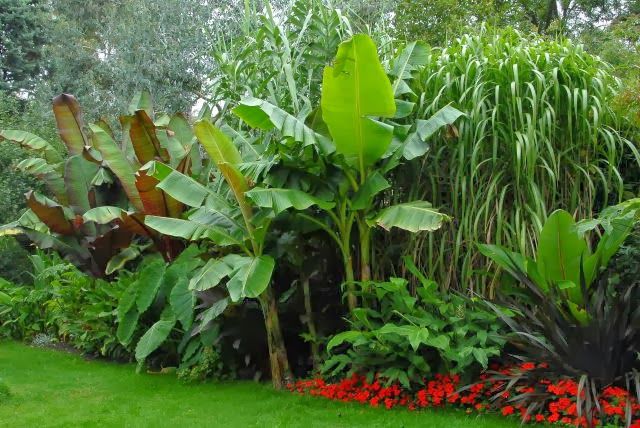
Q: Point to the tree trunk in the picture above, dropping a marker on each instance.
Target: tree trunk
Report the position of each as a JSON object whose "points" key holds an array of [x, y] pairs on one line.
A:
{"points": [[311, 325], [280, 371]]}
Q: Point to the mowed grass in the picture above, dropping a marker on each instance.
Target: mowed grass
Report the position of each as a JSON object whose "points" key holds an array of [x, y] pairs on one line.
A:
{"points": [[56, 389]]}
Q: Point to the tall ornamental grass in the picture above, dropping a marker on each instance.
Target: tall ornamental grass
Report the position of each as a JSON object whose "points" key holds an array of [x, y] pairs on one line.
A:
{"points": [[539, 134]]}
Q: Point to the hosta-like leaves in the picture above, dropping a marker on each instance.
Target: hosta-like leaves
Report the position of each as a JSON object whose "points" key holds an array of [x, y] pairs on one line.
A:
{"points": [[263, 115], [70, 124], [154, 337], [34, 144], [412, 216], [251, 278], [148, 284], [115, 159], [355, 90], [282, 199], [182, 301]]}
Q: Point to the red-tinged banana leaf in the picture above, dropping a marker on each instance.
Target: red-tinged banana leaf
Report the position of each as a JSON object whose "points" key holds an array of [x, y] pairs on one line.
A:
{"points": [[78, 176], [55, 216], [156, 202], [34, 144], [132, 222], [70, 124], [144, 139], [48, 174], [105, 247], [115, 159]]}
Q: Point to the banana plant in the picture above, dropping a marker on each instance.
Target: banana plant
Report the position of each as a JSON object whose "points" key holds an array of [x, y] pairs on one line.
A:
{"points": [[98, 196], [237, 229], [355, 136], [564, 260]]}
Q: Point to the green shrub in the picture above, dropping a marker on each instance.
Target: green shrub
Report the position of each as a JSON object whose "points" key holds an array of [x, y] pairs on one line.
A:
{"points": [[406, 338]]}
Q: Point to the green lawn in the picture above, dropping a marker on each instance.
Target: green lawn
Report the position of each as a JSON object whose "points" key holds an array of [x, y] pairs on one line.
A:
{"points": [[52, 388]]}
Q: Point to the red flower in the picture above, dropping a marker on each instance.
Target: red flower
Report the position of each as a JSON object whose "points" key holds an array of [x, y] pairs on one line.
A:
{"points": [[507, 410]]}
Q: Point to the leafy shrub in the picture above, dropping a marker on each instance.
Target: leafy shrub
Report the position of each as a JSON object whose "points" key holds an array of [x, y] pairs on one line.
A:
{"points": [[207, 364], [407, 338]]}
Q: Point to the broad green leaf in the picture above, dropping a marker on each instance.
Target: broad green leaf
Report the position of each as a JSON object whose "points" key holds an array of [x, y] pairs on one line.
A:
{"points": [[414, 55], [252, 278], [416, 335], [182, 301], [263, 115], [374, 184], [127, 326], [149, 284], [68, 117], [412, 216], [180, 126], [34, 144], [340, 338], [210, 275], [609, 244], [440, 342], [115, 159], [177, 185], [355, 90], [282, 199], [141, 101], [213, 312], [415, 144], [481, 356], [154, 337], [560, 251], [191, 230]]}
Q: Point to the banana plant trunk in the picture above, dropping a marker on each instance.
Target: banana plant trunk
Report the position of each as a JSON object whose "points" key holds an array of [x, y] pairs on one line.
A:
{"points": [[280, 371], [315, 353]]}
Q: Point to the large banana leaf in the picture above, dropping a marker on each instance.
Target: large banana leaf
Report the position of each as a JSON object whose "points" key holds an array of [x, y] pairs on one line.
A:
{"points": [[414, 55], [144, 139], [282, 199], [177, 185], [412, 216], [70, 124], [356, 90], [35, 144], [226, 157], [415, 144], [192, 230], [264, 115], [154, 199], [131, 222], [55, 216], [78, 176], [210, 275], [115, 159]]}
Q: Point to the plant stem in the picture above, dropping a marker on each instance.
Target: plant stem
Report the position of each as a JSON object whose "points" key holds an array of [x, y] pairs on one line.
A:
{"points": [[280, 371], [311, 325]]}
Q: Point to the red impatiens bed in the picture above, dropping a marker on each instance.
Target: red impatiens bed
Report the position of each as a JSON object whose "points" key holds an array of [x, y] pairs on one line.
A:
{"points": [[443, 390]]}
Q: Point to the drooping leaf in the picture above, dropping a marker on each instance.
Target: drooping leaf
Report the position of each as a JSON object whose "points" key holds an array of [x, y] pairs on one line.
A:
{"points": [[412, 216], [340, 338], [282, 199], [415, 144], [210, 275], [191, 230], [251, 278], [45, 172], [118, 261], [127, 326], [34, 144], [374, 184], [414, 55], [213, 312], [263, 115], [355, 90], [68, 117], [177, 185]]}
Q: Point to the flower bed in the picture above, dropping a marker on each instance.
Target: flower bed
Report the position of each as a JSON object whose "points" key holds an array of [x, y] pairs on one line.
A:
{"points": [[559, 405]]}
